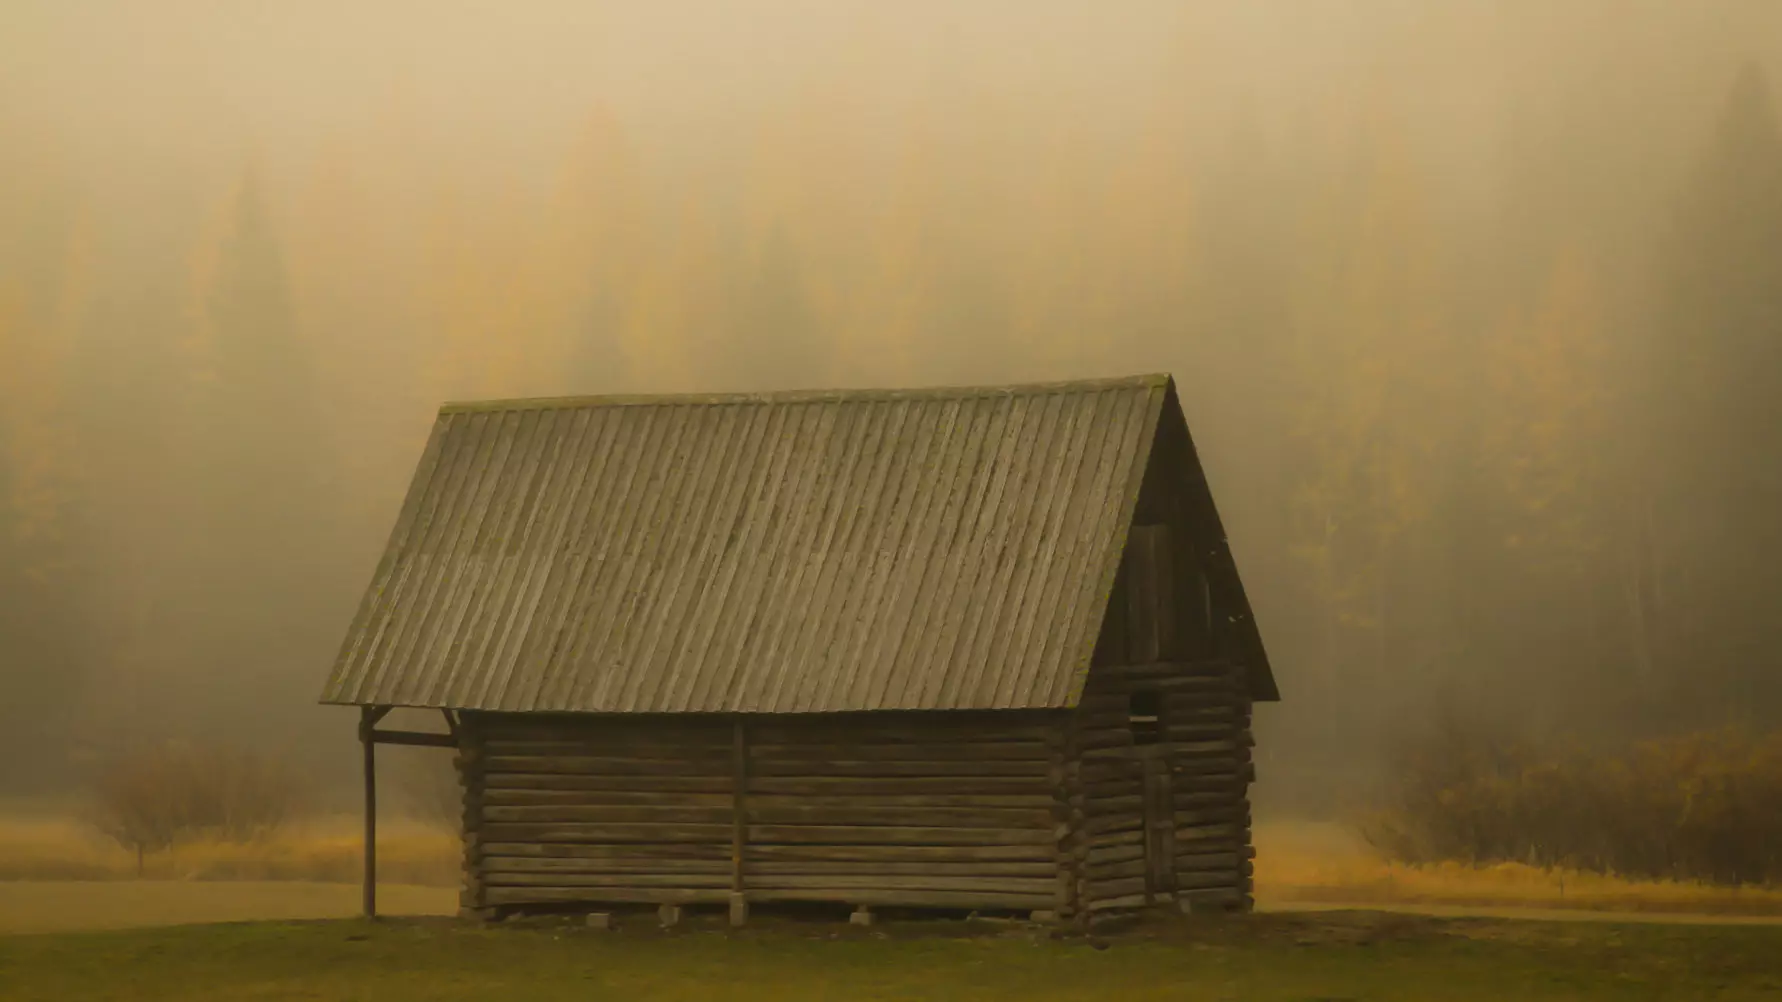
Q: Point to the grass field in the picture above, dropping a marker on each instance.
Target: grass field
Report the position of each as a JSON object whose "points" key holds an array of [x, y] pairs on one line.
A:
{"points": [[52, 870], [1261, 958]]}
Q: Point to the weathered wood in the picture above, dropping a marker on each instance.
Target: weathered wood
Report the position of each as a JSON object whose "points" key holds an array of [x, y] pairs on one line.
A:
{"points": [[1122, 804], [1028, 801], [1147, 592], [936, 817], [1100, 900], [1119, 887], [678, 880], [368, 719], [602, 764], [932, 751], [618, 783], [645, 750], [888, 882], [585, 832], [1115, 854], [416, 738], [886, 834], [1208, 861], [915, 899], [1203, 833], [601, 895], [906, 768], [1197, 880], [876, 785], [615, 853], [867, 868], [608, 813], [1135, 867], [549, 864], [899, 853], [1106, 823], [501, 796], [739, 805]]}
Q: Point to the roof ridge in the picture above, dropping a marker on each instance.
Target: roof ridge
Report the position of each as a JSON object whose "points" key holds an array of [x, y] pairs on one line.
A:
{"points": [[1150, 381]]}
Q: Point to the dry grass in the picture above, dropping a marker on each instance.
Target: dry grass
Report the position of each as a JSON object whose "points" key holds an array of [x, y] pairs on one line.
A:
{"points": [[324, 851], [1297, 864], [1325, 864]]}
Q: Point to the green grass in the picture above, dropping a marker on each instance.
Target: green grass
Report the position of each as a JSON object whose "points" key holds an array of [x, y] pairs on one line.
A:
{"points": [[1264, 958]]}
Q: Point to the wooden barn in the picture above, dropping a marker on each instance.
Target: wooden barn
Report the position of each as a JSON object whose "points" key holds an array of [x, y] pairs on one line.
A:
{"points": [[976, 649]]}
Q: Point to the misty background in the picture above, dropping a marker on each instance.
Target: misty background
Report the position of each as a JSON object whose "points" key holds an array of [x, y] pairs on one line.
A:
{"points": [[1476, 310]]}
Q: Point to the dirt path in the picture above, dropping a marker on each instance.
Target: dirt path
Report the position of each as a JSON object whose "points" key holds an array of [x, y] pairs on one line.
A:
{"points": [[72, 906], [1523, 914]]}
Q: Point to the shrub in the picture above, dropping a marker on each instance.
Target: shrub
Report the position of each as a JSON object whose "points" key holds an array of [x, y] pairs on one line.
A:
{"points": [[1702, 807], [161, 795]]}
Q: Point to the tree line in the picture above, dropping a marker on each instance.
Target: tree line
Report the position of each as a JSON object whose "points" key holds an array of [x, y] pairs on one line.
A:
{"points": [[1529, 468]]}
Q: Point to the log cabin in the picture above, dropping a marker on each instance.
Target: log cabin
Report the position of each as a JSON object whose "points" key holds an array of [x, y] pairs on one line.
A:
{"points": [[978, 649]]}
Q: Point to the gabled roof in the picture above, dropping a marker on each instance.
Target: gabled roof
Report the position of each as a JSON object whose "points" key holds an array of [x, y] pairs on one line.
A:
{"points": [[773, 553]]}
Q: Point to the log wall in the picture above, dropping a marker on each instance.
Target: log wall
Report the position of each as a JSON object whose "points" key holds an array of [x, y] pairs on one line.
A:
{"points": [[930, 810], [1201, 811]]}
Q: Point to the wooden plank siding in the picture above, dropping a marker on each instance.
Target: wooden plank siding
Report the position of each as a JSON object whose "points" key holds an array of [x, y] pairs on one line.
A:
{"points": [[956, 811]]}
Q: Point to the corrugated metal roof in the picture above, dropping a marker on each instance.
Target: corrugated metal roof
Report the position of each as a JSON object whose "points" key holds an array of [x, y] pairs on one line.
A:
{"points": [[937, 549]]}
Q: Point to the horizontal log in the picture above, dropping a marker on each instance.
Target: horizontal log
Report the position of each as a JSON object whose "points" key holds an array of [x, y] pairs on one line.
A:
{"points": [[1203, 833], [608, 813], [963, 785], [1099, 806], [419, 739], [908, 768], [690, 881], [1189, 733], [636, 746], [656, 865], [1030, 801], [1108, 840], [587, 832], [1122, 903], [1211, 816], [1225, 765], [1194, 880], [615, 782], [902, 751], [1115, 853], [755, 855], [938, 817], [1106, 823], [614, 853], [605, 765], [1111, 789], [1118, 887], [1208, 861], [1211, 896], [845, 885], [1097, 740], [505, 797], [910, 899], [1136, 867], [896, 835], [603, 895], [760, 869], [1193, 800]]}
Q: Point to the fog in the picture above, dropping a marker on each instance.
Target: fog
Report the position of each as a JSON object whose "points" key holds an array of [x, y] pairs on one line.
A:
{"points": [[1473, 306]]}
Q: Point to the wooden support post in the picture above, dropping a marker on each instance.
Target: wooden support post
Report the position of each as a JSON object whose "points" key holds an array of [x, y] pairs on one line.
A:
{"points": [[739, 808], [368, 718]]}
